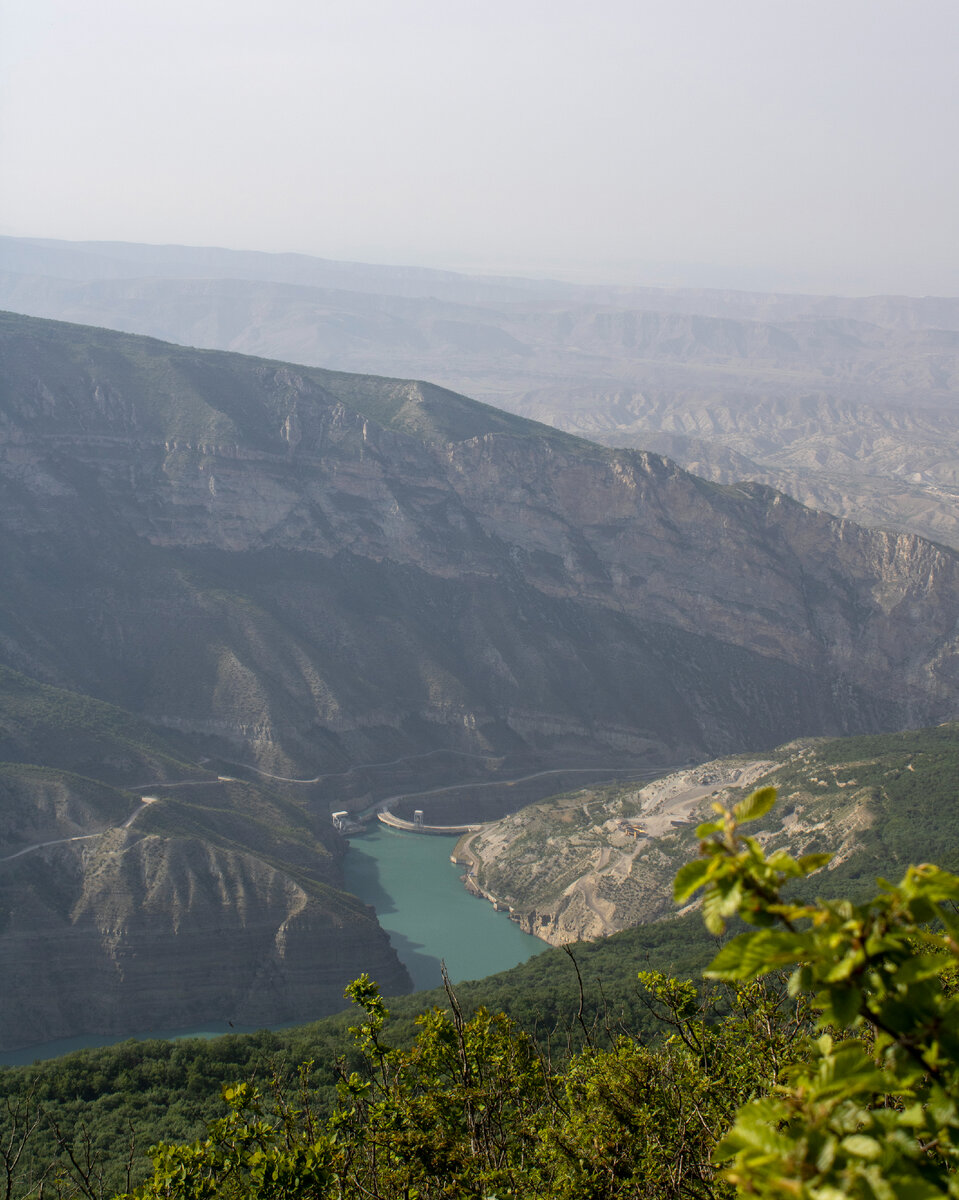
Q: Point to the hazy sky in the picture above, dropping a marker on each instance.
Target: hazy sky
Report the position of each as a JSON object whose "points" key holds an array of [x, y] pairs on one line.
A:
{"points": [[803, 143]]}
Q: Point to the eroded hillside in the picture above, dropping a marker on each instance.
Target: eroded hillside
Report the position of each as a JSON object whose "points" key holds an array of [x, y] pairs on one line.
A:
{"points": [[596, 861], [147, 893]]}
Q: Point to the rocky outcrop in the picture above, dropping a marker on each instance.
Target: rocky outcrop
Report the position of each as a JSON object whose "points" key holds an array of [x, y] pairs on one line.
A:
{"points": [[593, 862]]}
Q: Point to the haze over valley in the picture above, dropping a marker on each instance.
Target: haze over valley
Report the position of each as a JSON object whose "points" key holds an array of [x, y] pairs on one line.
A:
{"points": [[846, 404]]}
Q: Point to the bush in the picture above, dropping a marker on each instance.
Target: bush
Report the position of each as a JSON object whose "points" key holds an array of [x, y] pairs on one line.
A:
{"points": [[871, 1109]]}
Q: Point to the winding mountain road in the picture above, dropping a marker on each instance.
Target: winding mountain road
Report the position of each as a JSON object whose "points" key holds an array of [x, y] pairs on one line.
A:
{"points": [[383, 805], [83, 837], [380, 805], [364, 766]]}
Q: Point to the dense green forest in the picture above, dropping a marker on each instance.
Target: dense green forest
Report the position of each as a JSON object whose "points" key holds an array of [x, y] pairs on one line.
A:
{"points": [[168, 1090]]}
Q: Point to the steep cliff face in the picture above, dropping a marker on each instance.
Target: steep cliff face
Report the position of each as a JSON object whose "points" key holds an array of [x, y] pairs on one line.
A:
{"points": [[891, 467], [132, 931], [165, 898], [311, 570]]}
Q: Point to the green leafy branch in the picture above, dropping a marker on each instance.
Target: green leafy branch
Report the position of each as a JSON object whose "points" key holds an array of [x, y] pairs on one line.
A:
{"points": [[873, 1111]]}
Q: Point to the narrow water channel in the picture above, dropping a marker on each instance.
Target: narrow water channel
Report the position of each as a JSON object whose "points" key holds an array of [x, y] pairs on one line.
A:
{"points": [[429, 915]]}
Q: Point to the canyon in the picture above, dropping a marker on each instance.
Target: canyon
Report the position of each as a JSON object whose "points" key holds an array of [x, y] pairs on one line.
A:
{"points": [[259, 592]]}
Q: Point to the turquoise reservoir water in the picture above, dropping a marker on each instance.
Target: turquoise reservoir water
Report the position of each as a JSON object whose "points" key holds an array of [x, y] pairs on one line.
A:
{"points": [[429, 915]]}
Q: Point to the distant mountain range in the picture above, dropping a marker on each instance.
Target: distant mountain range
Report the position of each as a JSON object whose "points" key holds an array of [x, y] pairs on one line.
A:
{"points": [[846, 404]]}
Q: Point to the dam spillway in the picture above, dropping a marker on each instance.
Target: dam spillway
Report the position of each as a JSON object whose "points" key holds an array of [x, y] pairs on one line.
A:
{"points": [[396, 822]]}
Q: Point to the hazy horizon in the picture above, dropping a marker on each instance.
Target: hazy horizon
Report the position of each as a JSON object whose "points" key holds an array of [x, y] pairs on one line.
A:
{"points": [[753, 145]]}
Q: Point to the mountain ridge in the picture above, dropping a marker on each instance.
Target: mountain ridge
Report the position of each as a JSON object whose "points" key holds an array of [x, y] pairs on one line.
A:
{"points": [[213, 497], [309, 572], [626, 365]]}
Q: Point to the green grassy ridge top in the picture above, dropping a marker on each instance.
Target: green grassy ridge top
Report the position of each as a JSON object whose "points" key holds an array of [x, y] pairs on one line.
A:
{"points": [[54, 727], [127, 385], [112, 752], [898, 793], [249, 819], [38, 802], [99, 751], [42, 803]]}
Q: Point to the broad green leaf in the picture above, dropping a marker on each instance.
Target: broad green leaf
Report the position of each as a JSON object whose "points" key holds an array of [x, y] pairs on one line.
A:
{"points": [[719, 903], [752, 954], [689, 877], [844, 1003], [826, 1154], [755, 805]]}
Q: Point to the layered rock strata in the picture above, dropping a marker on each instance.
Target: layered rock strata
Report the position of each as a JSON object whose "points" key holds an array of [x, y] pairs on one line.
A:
{"points": [[312, 571]]}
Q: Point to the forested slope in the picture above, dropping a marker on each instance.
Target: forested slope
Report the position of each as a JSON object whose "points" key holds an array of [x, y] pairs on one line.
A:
{"points": [[168, 1090]]}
